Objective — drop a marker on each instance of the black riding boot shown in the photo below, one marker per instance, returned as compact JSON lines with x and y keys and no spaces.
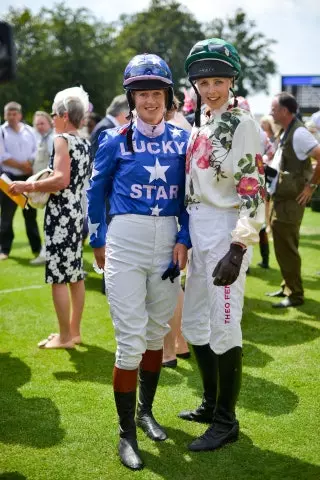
{"x":225,"y":427}
{"x":124,"y":386}
{"x":149,"y":373}
{"x":207,"y":362}
{"x":148,"y":382}
{"x":128,"y":446}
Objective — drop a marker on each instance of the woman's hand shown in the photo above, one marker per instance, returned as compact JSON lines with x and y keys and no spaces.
{"x":100,"y":256}
{"x":180,"y":255}
{"x":18,"y":187}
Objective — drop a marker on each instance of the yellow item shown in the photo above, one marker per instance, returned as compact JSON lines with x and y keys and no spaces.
{"x":20,"y":199}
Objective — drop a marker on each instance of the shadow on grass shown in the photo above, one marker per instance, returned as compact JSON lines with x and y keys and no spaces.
{"x":273,"y":278}
{"x":257,"y":394}
{"x":94,"y":282}
{"x":25,"y":262}
{"x":254,"y":357}
{"x":12,"y":476}
{"x":263,"y":396}
{"x":95,"y":364}
{"x":33,"y":422}
{"x":17,"y":244}
{"x":240,"y":461}
{"x":309,"y":241}
{"x":92,"y":364}
{"x":175,"y":376}
{"x":308,"y":244}
{"x":276,"y":332}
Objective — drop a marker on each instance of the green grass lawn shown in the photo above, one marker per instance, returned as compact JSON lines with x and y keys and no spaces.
{"x":58,"y":419}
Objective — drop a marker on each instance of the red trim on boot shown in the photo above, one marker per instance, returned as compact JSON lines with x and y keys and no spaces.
{"x":124,"y":381}
{"x":151,"y":360}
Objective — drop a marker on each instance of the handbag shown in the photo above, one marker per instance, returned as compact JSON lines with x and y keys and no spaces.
{"x":39,"y":199}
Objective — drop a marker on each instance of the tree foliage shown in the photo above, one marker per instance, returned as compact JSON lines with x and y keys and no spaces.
{"x":167,"y":29}
{"x":253,"y":47}
{"x":61,"y":47}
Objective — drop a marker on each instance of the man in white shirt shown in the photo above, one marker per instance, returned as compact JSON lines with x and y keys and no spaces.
{"x":18,"y":147}
{"x":295,"y":184}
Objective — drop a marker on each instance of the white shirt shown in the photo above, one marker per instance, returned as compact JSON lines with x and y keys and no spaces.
{"x":315,"y":118}
{"x":303,"y":143}
{"x":21,"y":146}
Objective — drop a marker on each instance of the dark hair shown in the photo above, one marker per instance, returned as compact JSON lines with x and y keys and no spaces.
{"x":288,"y":101}
{"x":95,"y":117}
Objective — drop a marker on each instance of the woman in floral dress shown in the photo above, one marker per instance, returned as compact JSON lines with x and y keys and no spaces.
{"x":64,"y":216}
{"x":225,"y":198}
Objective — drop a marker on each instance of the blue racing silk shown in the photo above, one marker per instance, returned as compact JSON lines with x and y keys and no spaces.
{"x":150,"y":181}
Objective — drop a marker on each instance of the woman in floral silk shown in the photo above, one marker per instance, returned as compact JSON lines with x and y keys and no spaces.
{"x":225,"y":198}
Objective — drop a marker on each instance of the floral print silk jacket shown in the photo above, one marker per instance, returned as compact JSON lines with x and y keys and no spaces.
{"x":225,"y":169}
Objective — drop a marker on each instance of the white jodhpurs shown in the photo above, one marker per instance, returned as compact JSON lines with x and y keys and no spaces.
{"x":138,"y":250}
{"x":212,"y":314}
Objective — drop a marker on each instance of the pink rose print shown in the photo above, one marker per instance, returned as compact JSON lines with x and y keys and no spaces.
{"x":259,"y":163}
{"x":248,"y":186}
{"x":203,"y":163}
{"x":201,"y":151}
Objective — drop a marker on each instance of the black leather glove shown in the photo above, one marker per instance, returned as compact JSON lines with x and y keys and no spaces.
{"x":228,"y":268}
{"x":172,"y":272}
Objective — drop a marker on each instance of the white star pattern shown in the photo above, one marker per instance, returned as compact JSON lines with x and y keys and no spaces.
{"x":93,"y":228}
{"x":158,"y":171}
{"x":94,"y":172}
{"x":176,"y":132}
{"x":136,"y":61}
{"x":155,"y":210}
{"x":155,"y":61}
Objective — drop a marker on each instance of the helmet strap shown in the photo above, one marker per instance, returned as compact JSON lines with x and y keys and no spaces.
{"x":170,"y":96}
{"x":130,"y":100}
{"x":235,"y":100}
{"x":129,"y":135}
{"x":197,"y":113}
{"x":130,"y":131}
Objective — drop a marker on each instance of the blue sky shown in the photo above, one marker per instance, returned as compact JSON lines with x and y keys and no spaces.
{"x":293,"y":23}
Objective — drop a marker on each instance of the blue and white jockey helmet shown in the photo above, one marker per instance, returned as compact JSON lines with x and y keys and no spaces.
{"x":147,"y":72}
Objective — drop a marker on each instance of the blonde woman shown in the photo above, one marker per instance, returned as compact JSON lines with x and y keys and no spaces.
{"x":225,"y":200}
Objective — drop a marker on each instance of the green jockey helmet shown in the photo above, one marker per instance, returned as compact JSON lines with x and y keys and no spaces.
{"x":213,"y":58}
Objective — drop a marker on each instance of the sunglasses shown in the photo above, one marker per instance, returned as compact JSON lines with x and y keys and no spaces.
{"x":52,"y":115}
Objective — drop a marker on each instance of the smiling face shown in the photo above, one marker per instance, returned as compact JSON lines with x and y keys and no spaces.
{"x":150,"y":105}
{"x":214,"y":91}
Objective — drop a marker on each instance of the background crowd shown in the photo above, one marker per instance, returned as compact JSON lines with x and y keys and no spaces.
{"x":58,"y":154}
{"x":25,"y":150}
